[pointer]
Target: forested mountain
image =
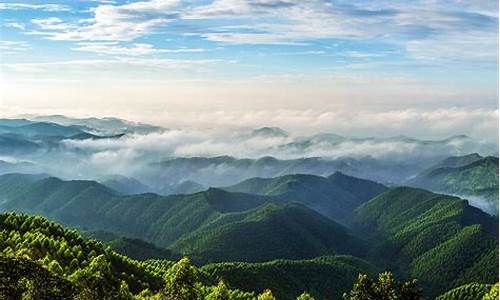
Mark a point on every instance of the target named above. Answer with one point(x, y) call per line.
point(439, 239)
point(273, 231)
point(335, 196)
point(67, 254)
point(470, 291)
point(200, 224)
point(322, 277)
point(133, 248)
point(41, 260)
point(125, 185)
point(472, 177)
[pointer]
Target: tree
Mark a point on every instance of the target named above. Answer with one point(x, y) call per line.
point(220, 292)
point(96, 281)
point(386, 288)
point(305, 296)
point(492, 294)
point(266, 295)
point(181, 282)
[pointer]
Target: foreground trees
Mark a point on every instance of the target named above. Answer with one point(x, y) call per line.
point(385, 288)
point(42, 260)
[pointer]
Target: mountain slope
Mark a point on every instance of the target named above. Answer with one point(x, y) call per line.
point(478, 178)
point(63, 251)
point(206, 222)
point(439, 239)
point(273, 231)
point(322, 277)
point(125, 185)
point(21, 276)
point(335, 196)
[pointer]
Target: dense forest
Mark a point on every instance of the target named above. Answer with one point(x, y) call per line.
point(260, 229)
point(43, 260)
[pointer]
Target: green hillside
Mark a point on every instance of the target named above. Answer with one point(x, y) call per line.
point(42, 260)
point(272, 231)
point(322, 277)
point(214, 225)
point(25, 278)
point(478, 178)
point(470, 291)
point(64, 252)
point(335, 196)
point(438, 239)
point(133, 248)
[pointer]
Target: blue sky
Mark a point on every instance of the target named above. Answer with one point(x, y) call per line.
point(95, 56)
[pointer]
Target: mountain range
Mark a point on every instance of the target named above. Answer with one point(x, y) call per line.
point(407, 230)
point(472, 176)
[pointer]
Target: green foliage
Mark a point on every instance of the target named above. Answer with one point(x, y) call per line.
point(65, 253)
point(471, 291)
point(220, 292)
point(305, 296)
point(335, 196)
point(438, 239)
point(323, 277)
point(133, 248)
point(21, 278)
point(181, 282)
point(385, 288)
point(266, 295)
point(469, 175)
point(492, 294)
point(289, 231)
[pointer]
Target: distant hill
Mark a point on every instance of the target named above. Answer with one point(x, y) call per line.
point(11, 144)
point(41, 129)
point(223, 171)
point(438, 239)
point(335, 196)
point(133, 248)
point(269, 232)
point(183, 187)
point(269, 132)
point(105, 125)
point(469, 176)
point(125, 185)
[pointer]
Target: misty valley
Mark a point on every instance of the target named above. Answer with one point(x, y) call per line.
point(104, 208)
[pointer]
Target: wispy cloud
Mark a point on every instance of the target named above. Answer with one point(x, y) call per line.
point(137, 49)
point(113, 65)
point(15, 25)
point(44, 7)
point(117, 22)
point(11, 47)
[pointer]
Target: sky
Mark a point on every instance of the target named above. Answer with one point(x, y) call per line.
point(289, 63)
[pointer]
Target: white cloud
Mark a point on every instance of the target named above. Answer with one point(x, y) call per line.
point(440, 30)
point(11, 47)
point(92, 66)
point(117, 22)
point(44, 7)
point(15, 25)
point(228, 135)
point(137, 49)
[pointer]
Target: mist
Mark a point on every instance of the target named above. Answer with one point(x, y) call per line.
point(386, 159)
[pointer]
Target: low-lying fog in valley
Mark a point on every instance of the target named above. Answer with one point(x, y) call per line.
point(137, 158)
